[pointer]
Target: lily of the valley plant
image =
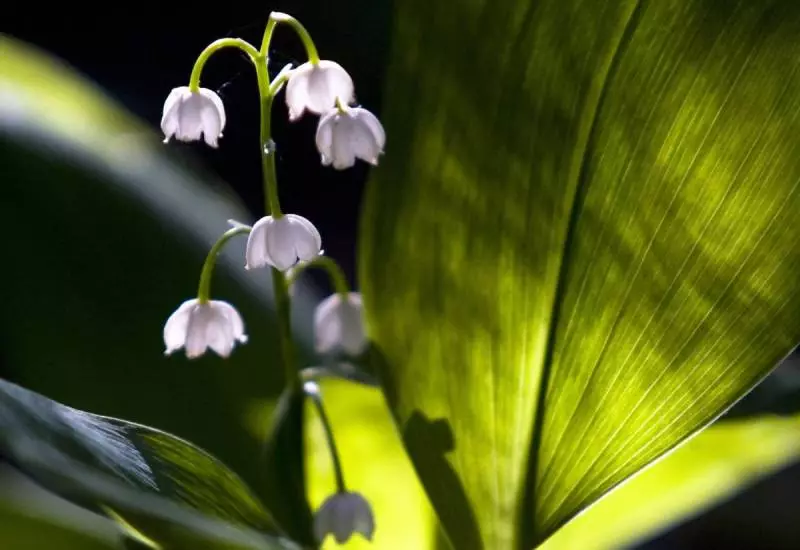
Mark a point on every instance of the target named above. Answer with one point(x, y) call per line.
point(283, 243)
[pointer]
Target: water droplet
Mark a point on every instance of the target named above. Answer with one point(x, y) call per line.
point(270, 147)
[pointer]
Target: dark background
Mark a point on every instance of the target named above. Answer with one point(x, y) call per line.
point(137, 54)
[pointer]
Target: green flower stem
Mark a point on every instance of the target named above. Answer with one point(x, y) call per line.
point(334, 272)
point(312, 391)
point(279, 81)
point(204, 288)
point(282, 308)
point(308, 43)
point(211, 49)
point(272, 203)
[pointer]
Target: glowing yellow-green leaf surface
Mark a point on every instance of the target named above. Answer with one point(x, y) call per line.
point(580, 246)
point(715, 465)
point(375, 464)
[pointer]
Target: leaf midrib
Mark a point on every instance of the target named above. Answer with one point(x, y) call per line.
point(527, 526)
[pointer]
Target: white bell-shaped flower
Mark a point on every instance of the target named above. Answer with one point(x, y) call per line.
point(197, 326)
point(342, 515)
point(282, 242)
point(315, 88)
point(189, 115)
point(339, 325)
point(347, 133)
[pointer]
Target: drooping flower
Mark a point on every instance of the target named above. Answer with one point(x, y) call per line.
point(197, 326)
point(342, 515)
point(316, 87)
point(347, 133)
point(189, 115)
point(339, 325)
point(282, 242)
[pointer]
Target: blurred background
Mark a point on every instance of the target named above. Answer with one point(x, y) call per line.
point(137, 53)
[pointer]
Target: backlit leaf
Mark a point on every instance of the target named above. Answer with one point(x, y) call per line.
point(375, 464)
point(81, 455)
point(579, 248)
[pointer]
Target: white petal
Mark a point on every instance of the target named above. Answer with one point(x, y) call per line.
point(176, 326)
point(324, 136)
point(280, 245)
point(371, 121)
point(219, 334)
point(297, 91)
point(216, 102)
point(327, 82)
point(343, 514)
point(212, 116)
point(363, 520)
point(316, 87)
point(342, 527)
point(190, 121)
point(169, 116)
point(196, 333)
point(327, 329)
point(256, 250)
point(363, 144)
point(172, 98)
point(353, 336)
point(307, 240)
point(342, 150)
point(339, 325)
point(323, 520)
point(282, 242)
point(234, 319)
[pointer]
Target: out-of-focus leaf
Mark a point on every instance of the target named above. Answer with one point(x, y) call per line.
point(720, 462)
point(107, 231)
point(56, 443)
point(580, 247)
point(374, 463)
point(31, 520)
point(33, 530)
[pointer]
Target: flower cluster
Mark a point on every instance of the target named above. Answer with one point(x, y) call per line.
point(344, 134)
point(284, 243)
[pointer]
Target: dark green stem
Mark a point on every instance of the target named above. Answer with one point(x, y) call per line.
point(312, 391)
point(334, 272)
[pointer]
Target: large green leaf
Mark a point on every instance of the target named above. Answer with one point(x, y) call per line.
point(722, 461)
point(79, 454)
point(579, 248)
point(107, 229)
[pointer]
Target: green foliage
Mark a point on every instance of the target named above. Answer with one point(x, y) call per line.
point(579, 249)
point(720, 462)
point(107, 229)
point(375, 464)
point(31, 520)
point(576, 254)
point(161, 485)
